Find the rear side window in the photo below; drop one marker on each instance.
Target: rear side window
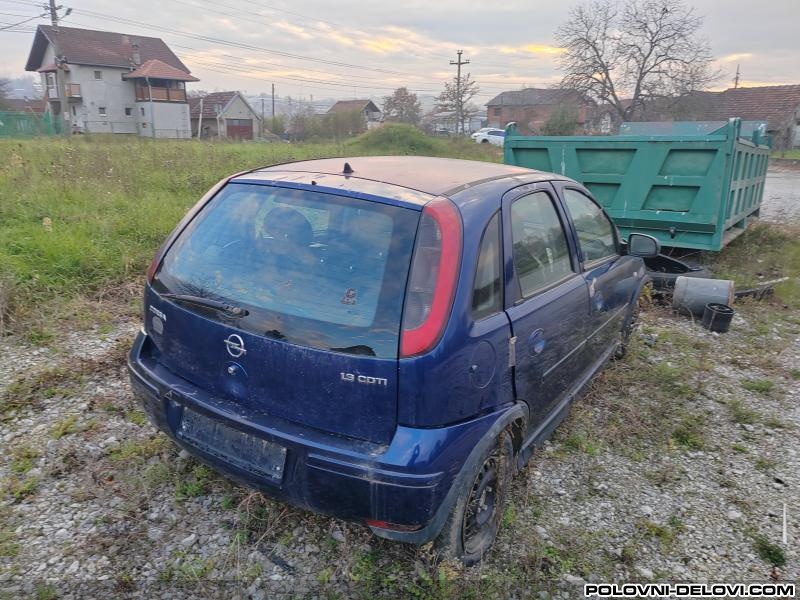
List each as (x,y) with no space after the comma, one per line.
(540,251)
(595,231)
(486,292)
(313,269)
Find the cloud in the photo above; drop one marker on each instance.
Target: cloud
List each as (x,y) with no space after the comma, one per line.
(731,58)
(535,49)
(298,32)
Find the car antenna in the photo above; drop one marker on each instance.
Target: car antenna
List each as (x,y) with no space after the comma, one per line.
(347,169)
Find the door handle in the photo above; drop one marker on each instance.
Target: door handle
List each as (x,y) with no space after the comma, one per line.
(536,342)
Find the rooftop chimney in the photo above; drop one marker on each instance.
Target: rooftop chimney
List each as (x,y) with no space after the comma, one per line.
(137,57)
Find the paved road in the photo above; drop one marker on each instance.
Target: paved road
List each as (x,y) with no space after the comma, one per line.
(781,195)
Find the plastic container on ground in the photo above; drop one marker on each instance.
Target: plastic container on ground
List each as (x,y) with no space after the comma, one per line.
(691,294)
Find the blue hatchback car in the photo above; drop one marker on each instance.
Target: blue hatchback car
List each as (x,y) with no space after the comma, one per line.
(384,339)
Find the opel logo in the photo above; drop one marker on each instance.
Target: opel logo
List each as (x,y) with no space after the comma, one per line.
(235,345)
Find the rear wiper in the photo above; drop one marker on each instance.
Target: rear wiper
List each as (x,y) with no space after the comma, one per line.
(231,309)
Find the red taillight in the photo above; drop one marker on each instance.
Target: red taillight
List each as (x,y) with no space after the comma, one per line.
(432,281)
(151,270)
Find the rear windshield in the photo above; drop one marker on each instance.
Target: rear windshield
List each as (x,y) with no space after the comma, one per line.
(313,269)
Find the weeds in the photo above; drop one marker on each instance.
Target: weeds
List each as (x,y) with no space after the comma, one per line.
(689,433)
(768,552)
(64,427)
(30,390)
(742,414)
(23,459)
(761,386)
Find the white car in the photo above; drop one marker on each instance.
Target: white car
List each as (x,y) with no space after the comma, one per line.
(489,135)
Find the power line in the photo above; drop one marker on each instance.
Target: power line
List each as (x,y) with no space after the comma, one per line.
(241,45)
(12,25)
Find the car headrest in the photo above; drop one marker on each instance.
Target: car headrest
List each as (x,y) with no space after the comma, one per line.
(287,224)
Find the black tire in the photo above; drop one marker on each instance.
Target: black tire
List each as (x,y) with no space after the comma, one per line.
(484,141)
(472,526)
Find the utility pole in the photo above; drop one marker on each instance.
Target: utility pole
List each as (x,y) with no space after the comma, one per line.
(273,104)
(736,79)
(459,108)
(53,10)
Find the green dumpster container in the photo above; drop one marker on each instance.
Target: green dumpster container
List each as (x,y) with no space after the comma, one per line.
(690,184)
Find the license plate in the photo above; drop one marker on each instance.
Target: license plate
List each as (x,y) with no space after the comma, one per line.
(238,448)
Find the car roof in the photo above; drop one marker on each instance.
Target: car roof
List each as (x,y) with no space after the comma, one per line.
(435,176)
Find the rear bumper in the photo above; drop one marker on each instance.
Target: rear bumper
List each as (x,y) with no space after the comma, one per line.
(404,484)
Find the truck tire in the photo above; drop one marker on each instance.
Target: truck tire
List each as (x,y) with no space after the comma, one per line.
(472,526)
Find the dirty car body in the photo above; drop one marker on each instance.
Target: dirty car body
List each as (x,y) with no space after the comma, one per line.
(354,339)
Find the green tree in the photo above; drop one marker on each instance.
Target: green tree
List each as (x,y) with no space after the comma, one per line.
(562,121)
(402,107)
(276,124)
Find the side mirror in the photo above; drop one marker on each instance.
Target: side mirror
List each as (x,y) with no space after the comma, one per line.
(644,246)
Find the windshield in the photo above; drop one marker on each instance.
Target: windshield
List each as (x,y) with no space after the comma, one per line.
(310,268)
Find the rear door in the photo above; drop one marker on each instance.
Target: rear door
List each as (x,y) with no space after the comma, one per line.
(547,298)
(321,278)
(609,276)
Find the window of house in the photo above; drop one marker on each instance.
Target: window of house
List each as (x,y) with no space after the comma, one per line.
(101,110)
(142,109)
(540,251)
(595,230)
(128,111)
(487,295)
(73,111)
(497,111)
(98,75)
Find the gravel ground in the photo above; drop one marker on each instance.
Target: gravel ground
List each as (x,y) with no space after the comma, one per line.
(96,503)
(781,203)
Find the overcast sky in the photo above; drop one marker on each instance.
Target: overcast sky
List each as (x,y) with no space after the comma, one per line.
(378,46)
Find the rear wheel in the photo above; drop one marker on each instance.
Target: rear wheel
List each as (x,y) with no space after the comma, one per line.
(472,526)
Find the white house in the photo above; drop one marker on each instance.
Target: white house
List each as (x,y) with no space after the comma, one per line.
(105,82)
(224,114)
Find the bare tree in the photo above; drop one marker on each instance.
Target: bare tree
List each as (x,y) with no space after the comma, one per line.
(639,50)
(457,98)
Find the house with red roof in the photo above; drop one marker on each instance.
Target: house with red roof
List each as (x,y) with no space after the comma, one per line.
(224,114)
(106,82)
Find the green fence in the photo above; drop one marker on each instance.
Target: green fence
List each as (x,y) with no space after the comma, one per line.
(27,124)
(691,185)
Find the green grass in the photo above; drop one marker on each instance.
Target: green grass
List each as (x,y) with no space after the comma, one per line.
(764,252)
(23,459)
(689,432)
(64,427)
(761,386)
(742,414)
(78,216)
(790,154)
(770,553)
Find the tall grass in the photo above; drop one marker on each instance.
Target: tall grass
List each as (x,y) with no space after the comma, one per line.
(83,215)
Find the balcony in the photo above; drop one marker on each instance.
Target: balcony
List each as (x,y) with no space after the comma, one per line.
(73,91)
(160,94)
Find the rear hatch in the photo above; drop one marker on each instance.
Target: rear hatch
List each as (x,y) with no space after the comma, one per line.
(290,302)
